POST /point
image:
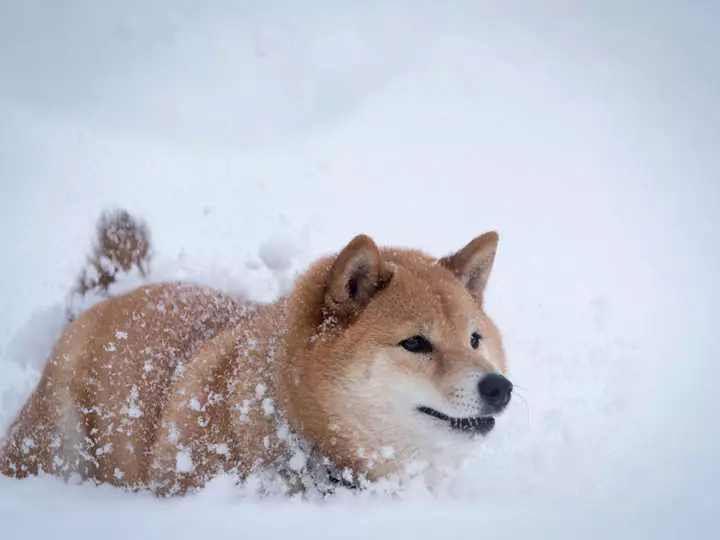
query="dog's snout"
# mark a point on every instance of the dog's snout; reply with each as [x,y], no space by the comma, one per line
[495,390]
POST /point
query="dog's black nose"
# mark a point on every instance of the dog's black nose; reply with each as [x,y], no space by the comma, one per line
[495,390]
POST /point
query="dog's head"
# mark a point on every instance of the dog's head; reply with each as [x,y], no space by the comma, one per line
[390,356]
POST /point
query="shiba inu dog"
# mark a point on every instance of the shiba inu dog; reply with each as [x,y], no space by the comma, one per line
[378,357]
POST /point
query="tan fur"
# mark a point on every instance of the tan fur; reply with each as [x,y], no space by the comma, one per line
[170,384]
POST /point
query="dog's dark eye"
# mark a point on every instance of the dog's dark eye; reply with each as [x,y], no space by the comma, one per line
[417,344]
[475,340]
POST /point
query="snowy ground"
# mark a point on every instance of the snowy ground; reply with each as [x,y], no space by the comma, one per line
[254,136]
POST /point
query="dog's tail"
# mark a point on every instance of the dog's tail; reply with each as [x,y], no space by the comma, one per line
[123,243]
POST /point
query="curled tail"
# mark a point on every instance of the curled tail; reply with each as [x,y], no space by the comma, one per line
[122,243]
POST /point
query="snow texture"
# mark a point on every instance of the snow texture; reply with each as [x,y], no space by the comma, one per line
[254,137]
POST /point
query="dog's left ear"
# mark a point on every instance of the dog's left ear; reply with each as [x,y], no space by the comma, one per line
[473,263]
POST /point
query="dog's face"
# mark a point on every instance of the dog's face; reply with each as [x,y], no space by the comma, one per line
[403,363]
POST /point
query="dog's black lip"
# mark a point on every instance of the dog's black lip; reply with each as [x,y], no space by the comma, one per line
[476,424]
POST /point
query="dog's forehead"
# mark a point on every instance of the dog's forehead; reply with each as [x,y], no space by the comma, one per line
[429,291]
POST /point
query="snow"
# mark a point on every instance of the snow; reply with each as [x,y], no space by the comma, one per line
[268,406]
[297,462]
[184,462]
[255,137]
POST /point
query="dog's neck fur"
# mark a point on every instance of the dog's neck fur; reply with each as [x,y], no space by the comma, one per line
[301,464]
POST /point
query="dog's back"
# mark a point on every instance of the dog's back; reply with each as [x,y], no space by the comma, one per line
[114,364]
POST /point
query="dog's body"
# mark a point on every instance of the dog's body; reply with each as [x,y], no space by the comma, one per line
[376,358]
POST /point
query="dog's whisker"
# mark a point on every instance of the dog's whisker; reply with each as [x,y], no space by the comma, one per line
[527,407]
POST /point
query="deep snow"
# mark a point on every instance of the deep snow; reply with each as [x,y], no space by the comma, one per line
[255,136]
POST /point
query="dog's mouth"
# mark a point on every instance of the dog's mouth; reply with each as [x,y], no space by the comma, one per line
[481,425]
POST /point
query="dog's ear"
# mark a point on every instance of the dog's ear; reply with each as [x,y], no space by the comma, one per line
[473,263]
[355,276]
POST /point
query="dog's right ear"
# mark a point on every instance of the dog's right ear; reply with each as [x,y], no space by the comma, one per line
[355,276]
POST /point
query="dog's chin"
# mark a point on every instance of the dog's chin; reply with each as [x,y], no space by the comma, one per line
[471,425]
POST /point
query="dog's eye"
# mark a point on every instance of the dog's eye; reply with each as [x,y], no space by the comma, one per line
[475,340]
[417,344]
